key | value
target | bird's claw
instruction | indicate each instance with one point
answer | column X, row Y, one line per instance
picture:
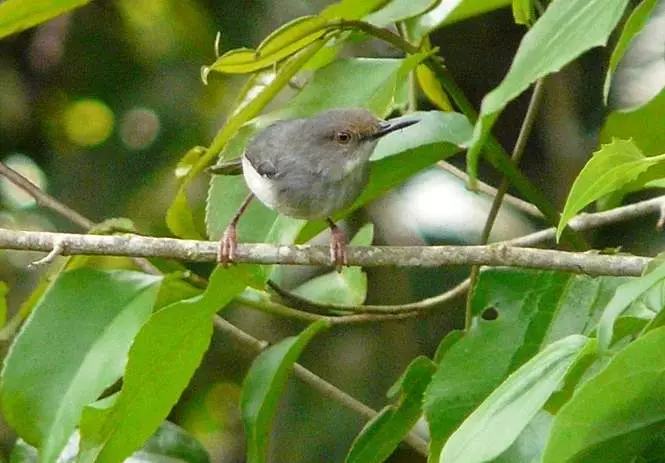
column 338, row 249
column 228, row 244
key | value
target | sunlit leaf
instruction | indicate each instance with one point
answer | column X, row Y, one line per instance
column 350, row 9
column 432, row 89
column 524, row 12
column 263, row 388
column 282, row 43
column 18, row 15
column 611, row 168
column 566, row 30
column 73, row 346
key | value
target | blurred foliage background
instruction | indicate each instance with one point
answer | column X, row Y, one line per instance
column 97, row 106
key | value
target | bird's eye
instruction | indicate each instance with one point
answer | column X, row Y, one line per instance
column 343, row 137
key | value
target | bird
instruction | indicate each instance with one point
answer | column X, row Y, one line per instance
column 308, row 168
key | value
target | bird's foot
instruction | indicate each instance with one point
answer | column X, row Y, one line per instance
column 228, row 244
column 338, row 249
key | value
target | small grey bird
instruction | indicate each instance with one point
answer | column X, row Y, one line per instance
column 308, row 168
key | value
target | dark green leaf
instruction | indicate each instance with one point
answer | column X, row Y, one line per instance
column 500, row 419
column 73, row 346
column 566, row 30
column 18, row 15
column 162, row 359
column 263, row 388
column 534, row 309
column 381, row 436
column 616, row 414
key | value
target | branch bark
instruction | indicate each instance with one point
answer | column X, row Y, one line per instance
column 365, row 256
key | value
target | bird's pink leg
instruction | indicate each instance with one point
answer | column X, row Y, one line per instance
column 338, row 244
column 226, row 252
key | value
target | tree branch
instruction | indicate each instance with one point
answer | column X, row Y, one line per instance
column 365, row 256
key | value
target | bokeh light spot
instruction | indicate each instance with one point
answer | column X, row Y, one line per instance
column 88, row 122
column 139, row 128
column 13, row 196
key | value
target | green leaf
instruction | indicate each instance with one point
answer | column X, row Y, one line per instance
column 432, row 89
column 169, row 443
column 73, row 346
column 610, row 169
column 263, row 388
column 381, row 436
column 398, row 10
column 18, row 15
column 631, row 125
column 448, row 12
column 626, row 295
column 161, row 362
column 530, row 444
column 524, row 12
column 249, row 110
column 532, row 309
column 567, row 29
column 285, row 41
column 634, row 24
column 350, row 9
column 617, row 413
column 499, row 420
column 346, row 287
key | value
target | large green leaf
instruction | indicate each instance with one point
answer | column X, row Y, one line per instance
column 566, row 30
column 263, row 388
column 618, row 413
column 381, row 436
column 613, row 168
column 162, row 359
column 18, row 15
column 517, row 312
column 72, row 347
column 500, row 419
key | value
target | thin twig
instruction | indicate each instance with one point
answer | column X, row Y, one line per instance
column 44, row 199
column 316, row 381
column 520, row 145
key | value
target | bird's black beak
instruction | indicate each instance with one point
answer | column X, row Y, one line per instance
column 390, row 126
